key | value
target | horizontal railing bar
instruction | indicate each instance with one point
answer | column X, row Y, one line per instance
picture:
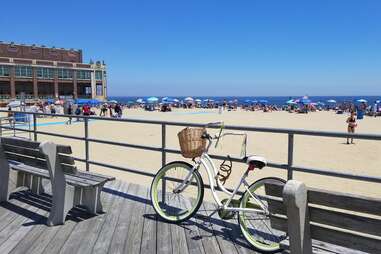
column 158, row 149
column 337, row 174
column 228, row 127
column 135, row 171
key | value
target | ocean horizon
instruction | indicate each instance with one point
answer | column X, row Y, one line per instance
column 273, row 100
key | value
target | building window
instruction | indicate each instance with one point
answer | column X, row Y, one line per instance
column 23, row 71
column 45, row 73
column 88, row 90
column 99, row 90
column 65, row 74
column 82, row 74
column 98, row 75
column 4, row 71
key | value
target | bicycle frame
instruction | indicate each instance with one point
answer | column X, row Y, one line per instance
column 212, row 172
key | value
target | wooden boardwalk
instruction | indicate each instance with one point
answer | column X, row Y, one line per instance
column 128, row 226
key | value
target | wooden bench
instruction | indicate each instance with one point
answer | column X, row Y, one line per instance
column 320, row 221
column 34, row 161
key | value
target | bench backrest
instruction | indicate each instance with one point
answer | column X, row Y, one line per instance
column 28, row 152
column 350, row 221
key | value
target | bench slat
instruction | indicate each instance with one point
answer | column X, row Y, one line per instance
column 347, row 221
column 66, row 159
column 71, row 179
column 38, row 162
column 346, row 239
column 32, row 144
column 345, row 201
column 94, row 176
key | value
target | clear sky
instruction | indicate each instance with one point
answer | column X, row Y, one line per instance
column 202, row 47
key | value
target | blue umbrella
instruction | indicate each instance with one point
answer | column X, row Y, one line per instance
column 140, row 100
column 291, row 102
column 152, row 100
column 248, row 101
column 362, row 101
column 263, row 101
column 331, row 101
column 305, row 101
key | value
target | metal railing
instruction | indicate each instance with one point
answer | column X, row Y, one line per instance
column 289, row 166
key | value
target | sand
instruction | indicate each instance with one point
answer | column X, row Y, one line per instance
column 364, row 157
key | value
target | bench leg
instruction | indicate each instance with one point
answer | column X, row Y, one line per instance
column 63, row 202
column 91, row 199
column 4, row 184
column 36, row 185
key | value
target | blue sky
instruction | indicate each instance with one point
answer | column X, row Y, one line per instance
column 256, row 48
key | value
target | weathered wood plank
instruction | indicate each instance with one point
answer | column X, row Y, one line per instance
column 64, row 158
column 226, row 245
column 106, row 233
column 164, row 239
column 347, row 221
column 121, row 230
column 135, row 232
column 344, row 201
column 346, row 239
column 24, row 236
column 148, row 245
column 12, row 227
column 206, row 235
column 83, row 236
column 87, row 244
column 32, row 144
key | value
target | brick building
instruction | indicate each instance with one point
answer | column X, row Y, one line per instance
column 40, row 72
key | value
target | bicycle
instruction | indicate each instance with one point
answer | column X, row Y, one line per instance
column 177, row 192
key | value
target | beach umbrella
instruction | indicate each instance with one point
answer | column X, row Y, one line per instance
column 248, row 101
column 305, row 101
column 362, row 101
column 331, row 101
column 291, row 102
column 197, row 100
column 152, row 99
column 140, row 100
column 50, row 101
column 175, row 100
column 188, row 99
column 378, row 101
column 112, row 101
column 164, row 98
column 263, row 101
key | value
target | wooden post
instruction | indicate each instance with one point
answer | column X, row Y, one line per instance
column 295, row 199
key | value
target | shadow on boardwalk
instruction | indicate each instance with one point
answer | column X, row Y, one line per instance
column 129, row 225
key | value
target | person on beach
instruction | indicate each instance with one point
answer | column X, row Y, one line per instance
column 69, row 112
column 52, row 110
column 11, row 118
column 78, row 112
column 86, row 110
column 351, row 121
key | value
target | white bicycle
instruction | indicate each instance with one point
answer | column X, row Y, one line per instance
column 177, row 192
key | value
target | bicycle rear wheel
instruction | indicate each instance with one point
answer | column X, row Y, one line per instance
column 255, row 225
column 175, row 197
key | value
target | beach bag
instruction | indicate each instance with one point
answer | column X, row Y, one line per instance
column 191, row 142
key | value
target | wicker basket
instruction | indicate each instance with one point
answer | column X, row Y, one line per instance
column 191, row 143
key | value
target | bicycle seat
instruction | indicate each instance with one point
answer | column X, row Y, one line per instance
column 257, row 161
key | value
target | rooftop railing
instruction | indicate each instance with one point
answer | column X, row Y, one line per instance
column 164, row 150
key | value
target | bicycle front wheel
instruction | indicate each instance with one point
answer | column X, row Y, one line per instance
column 177, row 192
column 255, row 224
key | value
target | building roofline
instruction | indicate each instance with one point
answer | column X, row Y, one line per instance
column 38, row 46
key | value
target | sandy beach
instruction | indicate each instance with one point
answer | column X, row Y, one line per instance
column 326, row 153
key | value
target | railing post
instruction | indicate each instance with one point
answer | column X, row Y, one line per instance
column 86, row 122
column 34, row 127
column 163, row 160
column 290, row 156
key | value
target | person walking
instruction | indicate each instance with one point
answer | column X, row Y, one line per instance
column 352, row 124
column 69, row 112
